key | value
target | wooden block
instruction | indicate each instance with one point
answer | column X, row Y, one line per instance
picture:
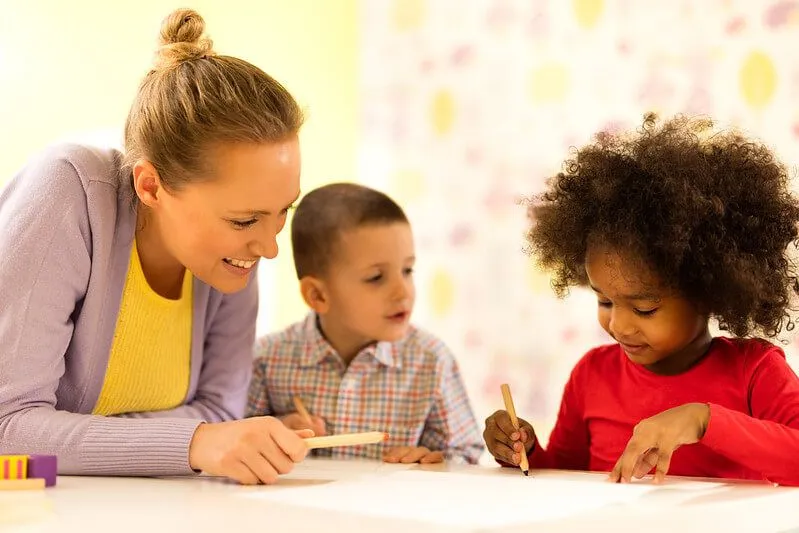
column 43, row 466
column 13, row 466
column 22, row 484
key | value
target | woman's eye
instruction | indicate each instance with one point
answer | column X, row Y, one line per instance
column 243, row 224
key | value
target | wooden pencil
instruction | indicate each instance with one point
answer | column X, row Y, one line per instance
column 300, row 407
column 346, row 439
column 506, row 397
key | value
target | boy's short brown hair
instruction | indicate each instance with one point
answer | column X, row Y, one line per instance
column 326, row 212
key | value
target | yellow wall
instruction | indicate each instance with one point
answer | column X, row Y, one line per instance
column 70, row 68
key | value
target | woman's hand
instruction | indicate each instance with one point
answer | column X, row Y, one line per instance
column 250, row 451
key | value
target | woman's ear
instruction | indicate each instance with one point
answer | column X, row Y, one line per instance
column 147, row 183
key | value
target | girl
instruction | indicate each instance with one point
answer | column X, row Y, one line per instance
column 671, row 228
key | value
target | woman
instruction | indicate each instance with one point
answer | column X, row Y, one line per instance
column 127, row 281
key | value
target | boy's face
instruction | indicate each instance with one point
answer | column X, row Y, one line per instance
column 369, row 285
column 655, row 327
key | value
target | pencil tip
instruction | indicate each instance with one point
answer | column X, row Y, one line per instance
column 526, row 472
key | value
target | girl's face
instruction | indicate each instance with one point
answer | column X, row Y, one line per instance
column 655, row 326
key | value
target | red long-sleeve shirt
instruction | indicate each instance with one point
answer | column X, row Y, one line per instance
column 753, row 395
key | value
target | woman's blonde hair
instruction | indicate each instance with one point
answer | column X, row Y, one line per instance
column 194, row 99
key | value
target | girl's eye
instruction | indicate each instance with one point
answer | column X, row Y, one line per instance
column 645, row 312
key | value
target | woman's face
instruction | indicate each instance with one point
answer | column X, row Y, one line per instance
column 220, row 227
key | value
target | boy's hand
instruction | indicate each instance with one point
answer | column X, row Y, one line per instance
column 655, row 439
column 251, row 451
column 296, row 422
column 504, row 442
column 412, row 454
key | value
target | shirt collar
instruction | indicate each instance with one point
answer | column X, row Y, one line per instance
column 317, row 349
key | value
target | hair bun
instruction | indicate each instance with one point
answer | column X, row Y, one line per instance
column 181, row 39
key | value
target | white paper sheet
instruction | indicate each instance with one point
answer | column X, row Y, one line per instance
column 455, row 499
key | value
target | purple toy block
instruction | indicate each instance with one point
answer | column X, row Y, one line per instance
column 43, row 466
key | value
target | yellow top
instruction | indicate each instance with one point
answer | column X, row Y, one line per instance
column 148, row 369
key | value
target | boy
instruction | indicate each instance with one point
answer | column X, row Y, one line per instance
column 355, row 362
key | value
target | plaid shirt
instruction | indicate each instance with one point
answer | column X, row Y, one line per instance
column 411, row 389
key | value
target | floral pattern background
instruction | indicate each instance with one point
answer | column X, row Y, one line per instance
column 467, row 107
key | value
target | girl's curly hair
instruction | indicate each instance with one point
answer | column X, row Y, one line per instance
column 709, row 212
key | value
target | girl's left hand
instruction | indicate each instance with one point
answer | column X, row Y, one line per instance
column 412, row 454
column 655, row 439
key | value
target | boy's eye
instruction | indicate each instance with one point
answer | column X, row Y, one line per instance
column 604, row 304
column 374, row 279
column 243, row 224
column 645, row 312
column 408, row 271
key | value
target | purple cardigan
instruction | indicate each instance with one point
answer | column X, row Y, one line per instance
column 66, row 229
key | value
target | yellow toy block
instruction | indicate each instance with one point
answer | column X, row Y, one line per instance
column 13, row 466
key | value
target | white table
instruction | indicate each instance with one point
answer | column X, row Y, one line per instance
column 200, row 504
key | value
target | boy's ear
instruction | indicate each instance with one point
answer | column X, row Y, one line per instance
column 315, row 294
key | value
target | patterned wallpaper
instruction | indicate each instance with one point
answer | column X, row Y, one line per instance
column 466, row 107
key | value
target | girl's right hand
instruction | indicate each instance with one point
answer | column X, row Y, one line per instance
column 504, row 442
column 250, row 451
